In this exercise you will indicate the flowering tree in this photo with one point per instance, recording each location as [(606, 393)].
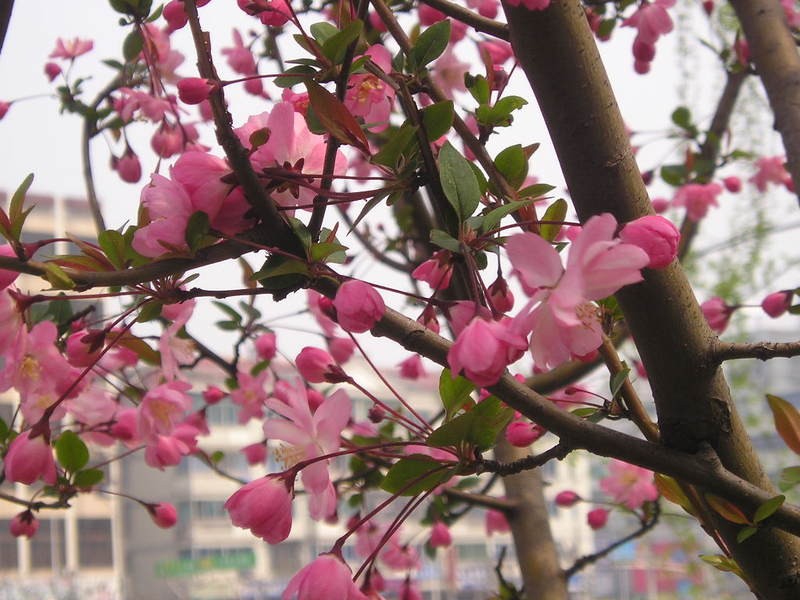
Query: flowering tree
[(368, 105)]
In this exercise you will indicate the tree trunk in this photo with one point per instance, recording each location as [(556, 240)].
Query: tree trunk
[(558, 53)]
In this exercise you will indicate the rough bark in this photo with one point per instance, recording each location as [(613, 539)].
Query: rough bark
[(773, 51), (542, 575), (558, 53)]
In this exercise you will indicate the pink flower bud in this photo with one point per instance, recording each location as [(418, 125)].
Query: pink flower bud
[(316, 365), (500, 295), (266, 346), (496, 522), (128, 167), (163, 514), (193, 90), (52, 70), (212, 394), (28, 460), (263, 506), (777, 303), (733, 184), (24, 524), (522, 434), (567, 498), (660, 205), (358, 306), (597, 518), (440, 536), (437, 271), (4, 106), (657, 236), (255, 454), (411, 368), (641, 67), (717, 313), (643, 51), (7, 277), (341, 348), (175, 15)]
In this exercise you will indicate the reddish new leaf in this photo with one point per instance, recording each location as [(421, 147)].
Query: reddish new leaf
[(787, 421), (335, 117)]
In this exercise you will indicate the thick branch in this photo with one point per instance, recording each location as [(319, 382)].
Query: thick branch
[(774, 54), (473, 19)]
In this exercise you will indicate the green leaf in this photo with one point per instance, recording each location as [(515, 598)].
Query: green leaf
[(3, 431), (479, 426), (445, 240), (768, 509), (415, 474), (499, 115), (15, 211), (722, 562), (492, 219), (328, 252), (437, 119), (535, 190), (513, 165), (429, 45), (71, 452), (228, 310), (682, 117), (675, 175), (618, 380), (555, 214), (335, 117), (132, 46), (88, 478), (368, 206), (197, 230), (56, 276), (335, 47), (323, 31), (746, 533), (790, 477), (458, 182), (395, 147), (478, 86), (294, 76), (455, 393)]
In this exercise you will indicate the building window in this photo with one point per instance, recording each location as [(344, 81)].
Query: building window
[(8, 548), (285, 557), (94, 543), (47, 546)]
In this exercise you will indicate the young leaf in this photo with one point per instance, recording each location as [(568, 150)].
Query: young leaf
[(395, 147), (455, 393), (493, 217), (437, 119), (197, 229), (430, 45), (554, 215), (787, 421), (746, 533), (413, 475), (618, 380), (790, 477), (445, 240), (335, 117), (71, 452), (88, 478), (335, 47), (727, 510), (513, 165), (768, 509), (458, 182)]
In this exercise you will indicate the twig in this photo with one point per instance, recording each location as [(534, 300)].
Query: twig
[(474, 20), (723, 351), (533, 461)]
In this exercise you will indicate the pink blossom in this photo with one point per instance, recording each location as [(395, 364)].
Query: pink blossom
[(151, 107), (717, 313), (317, 306), (71, 49), (317, 366), (290, 147), (657, 236), (250, 395), (401, 557), (448, 73), (412, 367), (308, 436), (52, 70), (485, 8), (4, 106), (436, 271), (7, 277), (327, 577), (368, 96), (733, 184), (791, 12), (358, 306), (483, 350), (530, 4), (240, 58), (263, 506), (175, 15), (256, 453), (429, 15), (266, 347), (697, 198), (128, 167), (341, 348), (166, 451), (500, 295), (212, 394), (193, 90), (169, 208), (567, 498), (777, 303), (565, 323), (28, 460), (461, 313), (597, 518), (496, 522), (94, 406), (124, 427), (163, 514), (440, 536), (651, 20), (162, 408), (409, 590), (770, 169), (629, 485), (497, 50), (522, 433), (170, 139), (24, 524)]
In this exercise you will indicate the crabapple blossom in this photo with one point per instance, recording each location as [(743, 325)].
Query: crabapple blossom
[(193, 90), (483, 349), (162, 408), (399, 556), (341, 348), (29, 460), (697, 198), (485, 8), (368, 96), (128, 167), (212, 394), (4, 106), (500, 295), (175, 15), (436, 271), (496, 522), (440, 536), (629, 484), (316, 366), (777, 303), (163, 514), (71, 49), (657, 236), (770, 169), (566, 499), (265, 345), (522, 434), (597, 518), (717, 313), (255, 454), (733, 184), (448, 72), (530, 4), (23, 524), (651, 20), (166, 451), (7, 277), (358, 306), (240, 58), (412, 368), (327, 577), (263, 506), (52, 70), (251, 394)]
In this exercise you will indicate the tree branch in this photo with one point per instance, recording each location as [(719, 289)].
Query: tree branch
[(474, 20), (723, 351)]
